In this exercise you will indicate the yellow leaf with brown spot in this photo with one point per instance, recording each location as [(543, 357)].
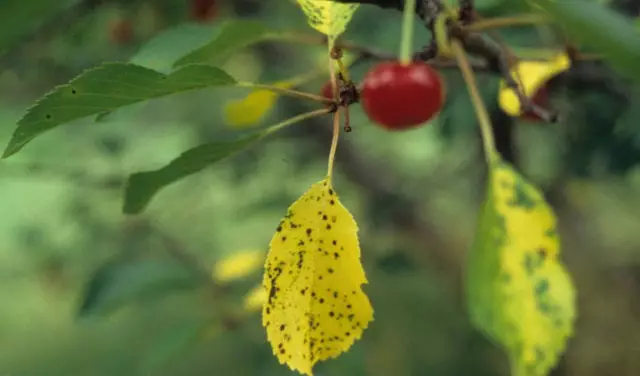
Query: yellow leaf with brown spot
[(519, 292), (315, 307), (533, 76), (329, 18)]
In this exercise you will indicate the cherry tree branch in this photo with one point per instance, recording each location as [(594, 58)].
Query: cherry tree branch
[(467, 11)]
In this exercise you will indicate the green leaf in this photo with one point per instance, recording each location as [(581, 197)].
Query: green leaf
[(119, 283), (163, 50), (600, 28), (173, 343), (519, 293), (106, 88), (18, 17), (231, 37), (142, 186)]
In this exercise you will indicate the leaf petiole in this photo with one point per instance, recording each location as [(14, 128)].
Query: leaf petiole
[(334, 143), (285, 91), (336, 116), (296, 119)]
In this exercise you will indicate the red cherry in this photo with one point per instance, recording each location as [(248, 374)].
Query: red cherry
[(120, 31), (541, 99), (327, 90), (203, 10), (399, 97)]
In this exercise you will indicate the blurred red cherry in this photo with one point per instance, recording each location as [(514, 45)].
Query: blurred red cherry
[(540, 99), (327, 90), (120, 31), (203, 10)]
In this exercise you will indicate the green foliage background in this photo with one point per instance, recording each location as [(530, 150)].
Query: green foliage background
[(415, 195)]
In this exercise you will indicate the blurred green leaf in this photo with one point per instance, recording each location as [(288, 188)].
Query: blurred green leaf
[(142, 186), (231, 37), (164, 49), (594, 25), (119, 283), (104, 89), (519, 293), (457, 118), (18, 17), (173, 343)]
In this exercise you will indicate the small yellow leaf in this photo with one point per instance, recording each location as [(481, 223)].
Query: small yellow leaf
[(250, 110), (238, 265), (519, 292), (315, 308), (255, 299), (329, 18), (533, 75)]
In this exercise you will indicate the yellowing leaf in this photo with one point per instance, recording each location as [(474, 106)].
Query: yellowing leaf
[(253, 108), (238, 265), (329, 18), (519, 293), (255, 299), (315, 308), (533, 76)]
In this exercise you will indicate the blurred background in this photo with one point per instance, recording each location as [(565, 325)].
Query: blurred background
[(69, 257)]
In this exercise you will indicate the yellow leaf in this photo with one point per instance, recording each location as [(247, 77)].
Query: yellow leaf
[(519, 292), (255, 299), (315, 308), (238, 265), (329, 18), (533, 75), (250, 110)]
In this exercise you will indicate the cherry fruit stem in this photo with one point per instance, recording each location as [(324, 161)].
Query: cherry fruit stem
[(297, 119), (407, 31), (481, 111)]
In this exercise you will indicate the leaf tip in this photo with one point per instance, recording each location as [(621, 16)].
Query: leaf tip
[(8, 151), (136, 197)]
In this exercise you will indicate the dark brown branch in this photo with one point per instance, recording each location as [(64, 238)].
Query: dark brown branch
[(498, 61), (628, 7), (467, 11), (428, 11)]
